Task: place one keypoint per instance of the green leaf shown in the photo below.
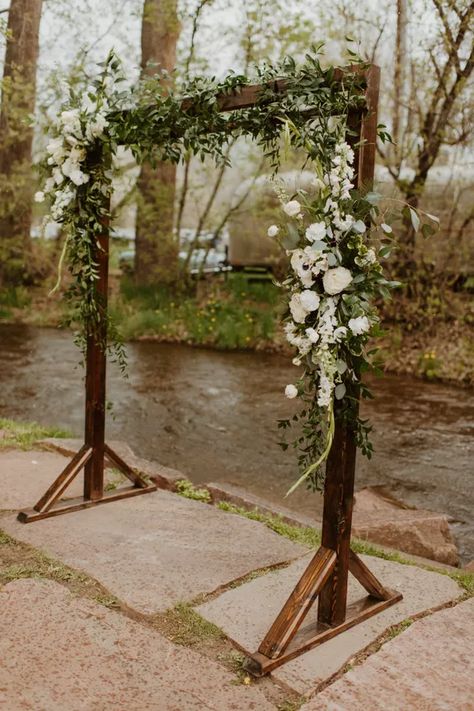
(340, 391)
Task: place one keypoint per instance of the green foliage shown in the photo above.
(185, 488)
(232, 314)
(23, 435)
(429, 365)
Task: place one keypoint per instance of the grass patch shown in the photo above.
(23, 435)
(230, 313)
(311, 538)
(19, 560)
(305, 535)
(185, 488)
(183, 625)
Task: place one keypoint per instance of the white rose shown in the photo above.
(309, 300)
(339, 333)
(291, 391)
(292, 208)
(298, 312)
(359, 325)
(336, 280)
(39, 196)
(273, 230)
(316, 231)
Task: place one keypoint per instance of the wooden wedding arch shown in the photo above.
(326, 577)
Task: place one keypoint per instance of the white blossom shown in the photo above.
(309, 300)
(316, 231)
(336, 280)
(359, 325)
(273, 230)
(292, 208)
(291, 391)
(39, 196)
(301, 265)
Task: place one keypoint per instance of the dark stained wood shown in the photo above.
(298, 604)
(125, 469)
(30, 515)
(337, 520)
(96, 362)
(64, 479)
(366, 578)
(258, 664)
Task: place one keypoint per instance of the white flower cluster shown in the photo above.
(318, 279)
(76, 130)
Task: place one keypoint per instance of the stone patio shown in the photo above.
(155, 550)
(429, 667)
(246, 613)
(60, 652)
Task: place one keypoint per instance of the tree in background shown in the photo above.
(16, 136)
(156, 256)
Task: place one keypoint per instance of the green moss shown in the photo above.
(185, 626)
(23, 435)
(185, 488)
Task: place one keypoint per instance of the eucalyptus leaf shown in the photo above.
(340, 391)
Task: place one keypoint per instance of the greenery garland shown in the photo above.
(329, 315)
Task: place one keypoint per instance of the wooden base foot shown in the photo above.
(30, 515)
(44, 507)
(259, 664)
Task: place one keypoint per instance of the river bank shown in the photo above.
(213, 415)
(239, 314)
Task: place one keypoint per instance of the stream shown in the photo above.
(213, 415)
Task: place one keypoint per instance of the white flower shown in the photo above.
(336, 280)
(56, 150)
(302, 266)
(78, 177)
(70, 120)
(77, 154)
(292, 208)
(97, 126)
(49, 185)
(291, 391)
(309, 300)
(298, 312)
(359, 325)
(312, 334)
(273, 230)
(39, 196)
(316, 231)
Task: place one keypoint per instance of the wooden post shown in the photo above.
(326, 577)
(91, 456)
(96, 363)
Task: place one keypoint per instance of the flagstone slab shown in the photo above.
(155, 550)
(429, 667)
(62, 652)
(25, 476)
(246, 613)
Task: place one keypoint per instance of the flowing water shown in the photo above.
(213, 416)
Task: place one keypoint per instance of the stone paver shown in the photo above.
(429, 667)
(246, 613)
(61, 652)
(155, 550)
(25, 476)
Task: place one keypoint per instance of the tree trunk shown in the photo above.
(399, 77)
(156, 259)
(16, 137)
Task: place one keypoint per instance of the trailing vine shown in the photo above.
(159, 124)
